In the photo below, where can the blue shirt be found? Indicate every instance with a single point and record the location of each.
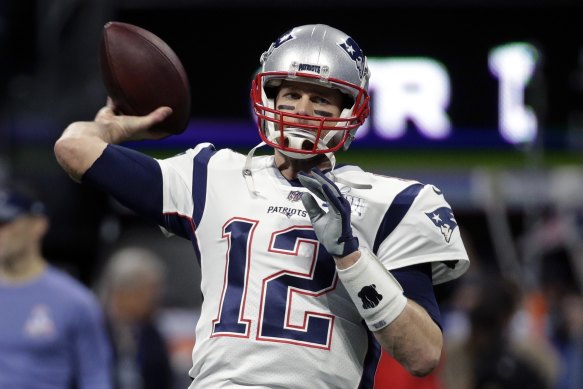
(52, 335)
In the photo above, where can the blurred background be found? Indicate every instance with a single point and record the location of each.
(483, 99)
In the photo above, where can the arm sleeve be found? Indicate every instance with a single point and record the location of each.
(92, 348)
(132, 178)
(418, 286)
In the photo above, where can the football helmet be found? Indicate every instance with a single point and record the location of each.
(321, 55)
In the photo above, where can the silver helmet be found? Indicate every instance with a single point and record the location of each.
(321, 55)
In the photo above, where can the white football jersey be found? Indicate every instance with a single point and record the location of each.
(274, 313)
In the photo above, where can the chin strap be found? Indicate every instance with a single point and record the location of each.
(332, 158)
(248, 173)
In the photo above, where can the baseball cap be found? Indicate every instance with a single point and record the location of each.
(16, 204)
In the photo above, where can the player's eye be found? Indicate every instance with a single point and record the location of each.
(320, 100)
(292, 95)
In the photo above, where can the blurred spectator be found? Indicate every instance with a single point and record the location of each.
(572, 350)
(490, 356)
(52, 330)
(564, 316)
(131, 290)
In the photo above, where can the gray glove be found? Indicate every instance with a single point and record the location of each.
(332, 228)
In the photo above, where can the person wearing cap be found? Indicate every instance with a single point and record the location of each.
(52, 329)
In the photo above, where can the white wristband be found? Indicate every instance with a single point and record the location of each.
(378, 296)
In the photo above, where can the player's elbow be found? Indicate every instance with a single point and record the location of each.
(424, 363)
(66, 155)
(72, 152)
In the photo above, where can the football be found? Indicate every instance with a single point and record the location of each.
(141, 73)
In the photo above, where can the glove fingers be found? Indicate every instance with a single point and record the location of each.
(323, 180)
(312, 207)
(312, 185)
(332, 198)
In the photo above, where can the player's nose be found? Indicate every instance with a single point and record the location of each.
(303, 107)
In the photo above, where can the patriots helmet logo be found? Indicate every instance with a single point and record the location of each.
(354, 51)
(444, 220)
(285, 37)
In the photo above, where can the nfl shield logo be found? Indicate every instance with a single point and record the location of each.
(294, 195)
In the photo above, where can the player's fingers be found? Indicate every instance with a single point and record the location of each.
(114, 108)
(103, 113)
(332, 199)
(160, 114)
(156, 116)
(321, 176)
(312, 185)
(138, 127)
(323, 180)
(107, 111)
(312, 207)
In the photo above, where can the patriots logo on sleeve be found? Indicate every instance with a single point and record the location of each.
(444, 220)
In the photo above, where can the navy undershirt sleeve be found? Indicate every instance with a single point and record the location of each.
(417, 285)
(132, 178)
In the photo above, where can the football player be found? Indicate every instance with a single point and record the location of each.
(309, 268)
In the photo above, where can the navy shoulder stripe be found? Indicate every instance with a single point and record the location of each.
(199, 181)
(396, 213)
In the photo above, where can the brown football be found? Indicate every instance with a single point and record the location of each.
(141, 73)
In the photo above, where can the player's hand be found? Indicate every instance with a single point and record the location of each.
(123, 127)
(332, 228)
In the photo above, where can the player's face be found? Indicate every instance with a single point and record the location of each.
(309, 100)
